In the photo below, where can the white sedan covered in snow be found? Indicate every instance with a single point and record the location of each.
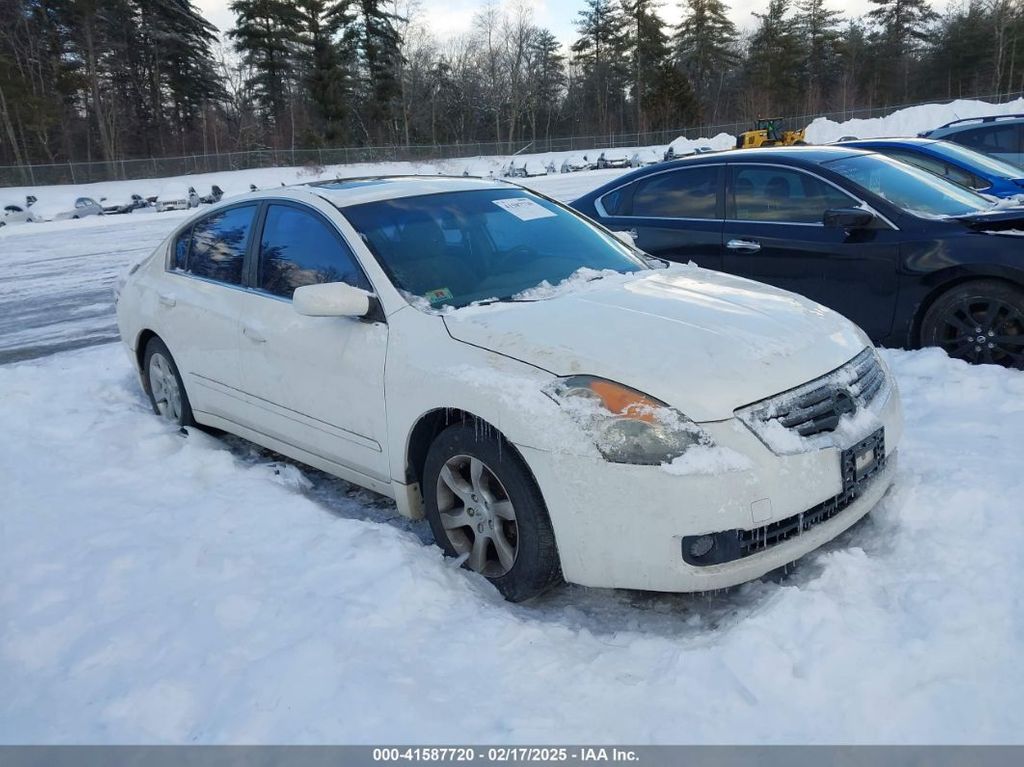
(555, 403)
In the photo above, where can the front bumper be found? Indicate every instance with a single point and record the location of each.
(620, 526)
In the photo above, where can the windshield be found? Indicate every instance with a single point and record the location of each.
(460, 247)
(916, 191)
(974, 159)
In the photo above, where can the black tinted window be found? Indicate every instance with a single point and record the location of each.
(996, 139)
(181, 250)
(299, 248)
(784, 195)
(218, 245)
(689, 193)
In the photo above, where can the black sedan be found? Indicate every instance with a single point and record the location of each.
(912, 258)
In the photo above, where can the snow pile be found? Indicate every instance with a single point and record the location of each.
(909, 121)
(684, 146)
(580, 281)
(156, 588)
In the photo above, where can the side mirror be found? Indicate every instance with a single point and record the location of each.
(332, 299)
(848, 218)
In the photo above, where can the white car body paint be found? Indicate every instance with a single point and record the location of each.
(705, 343)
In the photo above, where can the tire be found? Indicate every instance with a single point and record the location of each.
(980, 321)
(163, 384)
(497, 504)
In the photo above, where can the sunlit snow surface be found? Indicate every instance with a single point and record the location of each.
(162, 588)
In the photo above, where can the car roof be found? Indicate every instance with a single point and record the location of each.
(356, 191)
(975, 122)
(894, 140)
(810, 155)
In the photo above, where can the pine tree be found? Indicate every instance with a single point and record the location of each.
(325, 61)
(818, 29)
(545, 80)
(649, 51)
(373, 33)
(705, 48)
(266, 33)
(902, 27)
(774, 66)
(600, 53)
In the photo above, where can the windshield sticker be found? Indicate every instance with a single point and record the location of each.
(524, 209)
(439, 296)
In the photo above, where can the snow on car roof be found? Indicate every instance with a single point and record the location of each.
(356, 191)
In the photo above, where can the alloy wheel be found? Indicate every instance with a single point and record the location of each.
(164, 385)
(477, 515)
(984, 330)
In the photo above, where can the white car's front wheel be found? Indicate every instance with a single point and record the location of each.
(482, 503)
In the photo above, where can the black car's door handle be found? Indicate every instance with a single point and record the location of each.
(747, 245)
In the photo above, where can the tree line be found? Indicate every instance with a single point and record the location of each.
(113, 79)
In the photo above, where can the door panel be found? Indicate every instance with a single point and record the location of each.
(851, 272)
(316, 383)
(675, 215)
(200, 303)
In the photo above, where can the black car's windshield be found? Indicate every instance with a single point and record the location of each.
(914, 190)
(460, 247)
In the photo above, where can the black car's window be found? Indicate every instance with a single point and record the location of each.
(685, 193)
(299, 248)
(785, 195)
(219, 243)
(939, 167)
(993, 139)
(181, 246)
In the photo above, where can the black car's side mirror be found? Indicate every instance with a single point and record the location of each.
(848, 218)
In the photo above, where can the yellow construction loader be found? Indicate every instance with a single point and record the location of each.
(768, 133)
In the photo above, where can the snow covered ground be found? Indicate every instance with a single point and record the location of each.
(160, 588)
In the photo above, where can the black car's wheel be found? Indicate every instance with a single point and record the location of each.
(164, 386)
(482, 502)
(980, 321)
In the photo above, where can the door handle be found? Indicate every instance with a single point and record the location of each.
(166, 299)
(748, 245)
(253, 335)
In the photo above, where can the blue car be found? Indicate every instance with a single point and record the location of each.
(966, 167)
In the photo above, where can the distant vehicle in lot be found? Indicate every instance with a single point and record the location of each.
(1001, 136)
(644, 157)
(912, 258)
(84, 207)
(613, 158)
(16, 214)
(525, 169)
(135, 202)
(577, 163)
(963, 166)
(679, 149)
(404, 334)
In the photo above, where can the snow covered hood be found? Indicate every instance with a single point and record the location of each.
(704, 342)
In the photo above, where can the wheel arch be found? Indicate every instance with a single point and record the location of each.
(942, 282)
(432, 423)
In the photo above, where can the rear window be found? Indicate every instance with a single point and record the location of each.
(218, 245)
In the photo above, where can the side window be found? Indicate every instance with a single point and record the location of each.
(991, 139)
(686, 193)
(218, 245)
(761, 193)
(180, 257)
(299, 248)
(939, 167)
(614, 203)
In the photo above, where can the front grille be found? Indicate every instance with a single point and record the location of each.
(761, 538)
(818, 406)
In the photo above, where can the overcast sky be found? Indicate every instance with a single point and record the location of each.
(451, 17)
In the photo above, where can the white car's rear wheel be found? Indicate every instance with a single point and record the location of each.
(163, 384)
(483, 503)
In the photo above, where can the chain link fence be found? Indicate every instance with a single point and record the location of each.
(157, 167)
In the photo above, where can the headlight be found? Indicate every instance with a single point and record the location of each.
(627, 426)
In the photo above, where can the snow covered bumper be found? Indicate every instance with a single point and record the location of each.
(725, 521)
